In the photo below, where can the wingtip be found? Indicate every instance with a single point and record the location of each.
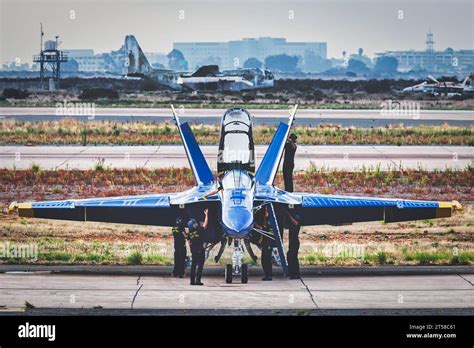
(454, 205)
(457, 205)
(13, 206)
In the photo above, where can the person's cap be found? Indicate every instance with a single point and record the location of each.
(293, 136)
(193, 224)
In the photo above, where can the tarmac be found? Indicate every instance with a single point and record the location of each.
(92, 290)
(330, 157)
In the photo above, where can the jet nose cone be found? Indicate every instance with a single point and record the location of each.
(238, 220)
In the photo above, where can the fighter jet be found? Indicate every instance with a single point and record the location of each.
(209, 78)
(446, 88)
(236, 195)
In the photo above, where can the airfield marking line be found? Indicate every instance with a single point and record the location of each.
(309, 292)
(136, 294)
(467, 280)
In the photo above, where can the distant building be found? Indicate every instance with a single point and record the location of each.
(15, 66)
(449, 61)
(157, 58)
(87, 60)
(90, 62)
(233, 54)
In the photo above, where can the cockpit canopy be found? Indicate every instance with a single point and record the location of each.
(236, 148)
(236, 179)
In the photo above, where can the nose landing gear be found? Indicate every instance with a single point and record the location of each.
(237, 268)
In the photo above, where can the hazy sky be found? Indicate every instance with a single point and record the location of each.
(343, 24)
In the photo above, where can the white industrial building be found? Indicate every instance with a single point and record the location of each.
(87, 60)
(446, 61)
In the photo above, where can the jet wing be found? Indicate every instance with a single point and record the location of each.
(320, 209)
(199, 166)
(268, 168)
(152, 209)
(335, 210)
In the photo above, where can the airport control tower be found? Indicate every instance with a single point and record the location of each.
(50, 59)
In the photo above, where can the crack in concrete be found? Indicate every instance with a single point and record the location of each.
(467, 280)
(154, 153)
(136, 294)
(386, 157)
(309, 292)
(70, 157)
(138, 279)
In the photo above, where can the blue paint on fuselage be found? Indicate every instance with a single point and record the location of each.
(237, 203)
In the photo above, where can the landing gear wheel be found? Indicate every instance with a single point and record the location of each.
(245, 274)
(228, 274)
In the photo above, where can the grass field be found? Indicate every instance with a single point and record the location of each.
(73, 131)
(443, 241)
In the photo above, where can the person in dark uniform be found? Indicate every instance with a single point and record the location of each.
(179, 248)
(289, 162)
(267, 249)
(198, 252)
(267, 244)
(293, 225)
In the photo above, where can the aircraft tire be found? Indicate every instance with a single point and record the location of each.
(245, 274)
(228, 274)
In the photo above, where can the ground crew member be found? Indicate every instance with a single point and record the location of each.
(196, 230)
(293, 244)
(267, 244)
(289, 162)
(179, 248)
(267, 249)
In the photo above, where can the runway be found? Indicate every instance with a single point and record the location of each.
(160, 294)
(329, 157)
(305, 117)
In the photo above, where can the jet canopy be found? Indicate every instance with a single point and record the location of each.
(236, 179)
(236, 147)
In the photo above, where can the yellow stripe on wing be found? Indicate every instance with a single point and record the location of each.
(455, 205)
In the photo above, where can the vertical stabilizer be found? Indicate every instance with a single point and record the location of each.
(135, 60)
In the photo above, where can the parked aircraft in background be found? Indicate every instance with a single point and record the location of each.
(206, 78)
(442, 88)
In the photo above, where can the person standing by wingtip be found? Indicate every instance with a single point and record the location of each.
(289, 162)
